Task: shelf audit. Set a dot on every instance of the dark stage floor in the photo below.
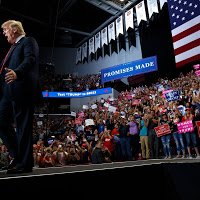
(156, 179)
(93, 167)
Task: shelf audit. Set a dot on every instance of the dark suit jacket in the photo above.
(97, 156)
(23, 59)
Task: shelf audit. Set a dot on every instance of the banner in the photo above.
(84, 50)
(129, 69)
(77, 94)
(162, 130)
(119, 26)
(91, 45)
(104, 36)
(185, 126)
(162, 2)
(111, 31)
(78, 55)
(172, 96)
(140, 12)
(152, 7)
(97, 41)
(129, 19)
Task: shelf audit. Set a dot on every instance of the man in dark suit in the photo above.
(19, 73)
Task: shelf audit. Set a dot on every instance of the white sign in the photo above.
(106, 104)
(85, 107)
(73, 114)
(119, 25)
(112, 109)
(129, 19)
(94, 106)
(152, 7)
(89, 122)
(111, 31)
(84, 50)
(140, 12)
(97, 41)
(39, 123)
(91, 45)
(104, 36)
(78, 55)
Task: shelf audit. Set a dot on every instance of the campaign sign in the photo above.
(129, 69)
(162, 130)
(197, 73)
(77, 94)
(197, 66)
(198, 127)
(136, 102)
(166, 91)
(172, 96)
(185, 126)
(78, 121)
(129, 96)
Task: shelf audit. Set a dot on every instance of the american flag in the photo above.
(185, 29)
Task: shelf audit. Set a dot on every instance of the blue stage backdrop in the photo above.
(129, 69)
(77, 94)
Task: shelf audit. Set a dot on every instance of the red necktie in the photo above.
(6, 57)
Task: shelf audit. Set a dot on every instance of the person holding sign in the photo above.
(166, 138)
(190, 134)
(178, 137)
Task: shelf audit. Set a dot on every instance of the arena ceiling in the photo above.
(62, 23)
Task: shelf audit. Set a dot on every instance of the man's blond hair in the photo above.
(14, 25)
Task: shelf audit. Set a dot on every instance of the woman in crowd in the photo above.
(134, 137)
(178, 137)
(190, 135)
(144, 138)
(166, 139)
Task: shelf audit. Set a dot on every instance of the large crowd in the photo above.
(121, 128)
(70, 83)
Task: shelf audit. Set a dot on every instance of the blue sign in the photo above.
(172, 96)
(167, 87)
(77, 94)
(129, 69)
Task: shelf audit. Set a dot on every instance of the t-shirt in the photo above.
(166, 122)
(143, 130)
(152, 125)
(185, 118)
(123, 131)
(115, 135)
(100, 128)
(175, 122)
(108, 143)
(133, 130)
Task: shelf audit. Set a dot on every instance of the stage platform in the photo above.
(158, 179)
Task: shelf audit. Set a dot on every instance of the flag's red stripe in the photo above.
(186, 61)
(187, 32)
(187, 47)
